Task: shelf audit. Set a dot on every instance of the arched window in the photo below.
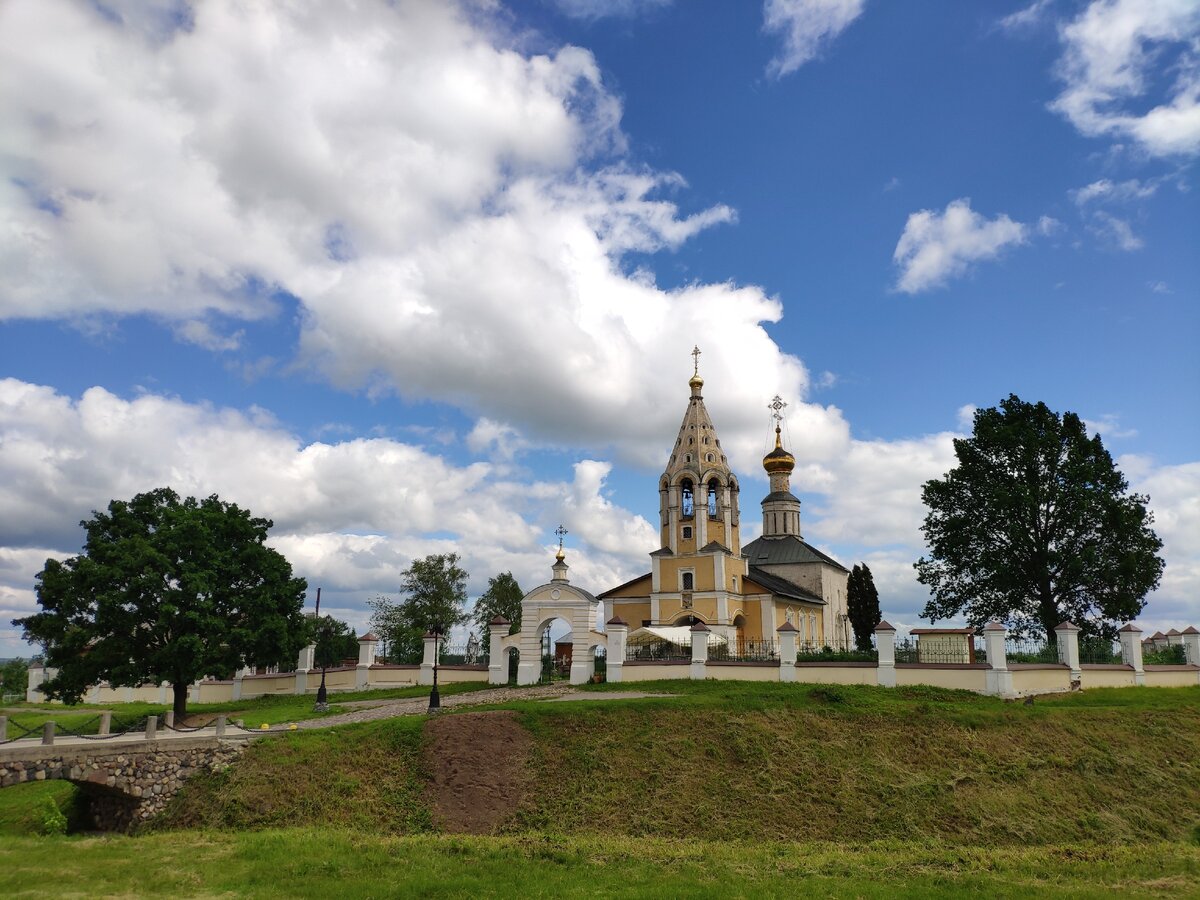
(688, 580)
(713, 487)
(688, 498)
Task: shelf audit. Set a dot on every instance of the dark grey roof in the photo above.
(712, 546)
(782, 587)
(785, 549)
(663, 551)
(780, 495)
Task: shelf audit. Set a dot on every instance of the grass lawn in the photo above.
(324, 863)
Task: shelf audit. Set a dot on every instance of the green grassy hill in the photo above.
(724, 790)
(775, 762)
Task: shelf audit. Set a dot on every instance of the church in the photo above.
(703, 574)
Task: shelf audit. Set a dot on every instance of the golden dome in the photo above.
(778, 460)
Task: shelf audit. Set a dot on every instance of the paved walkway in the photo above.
(364, 711)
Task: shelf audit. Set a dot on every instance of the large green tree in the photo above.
(434, 590)
(502, 598)
(333, 640)
(1034, 526)
(14, 678)
(166, 590)
(862, 605)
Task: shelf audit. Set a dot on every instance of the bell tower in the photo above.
(698, 494)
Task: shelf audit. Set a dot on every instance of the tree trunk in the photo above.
(179, 690)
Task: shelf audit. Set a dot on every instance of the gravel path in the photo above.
(386, 709)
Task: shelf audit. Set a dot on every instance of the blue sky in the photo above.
(424, 276)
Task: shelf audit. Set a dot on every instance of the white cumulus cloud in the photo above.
(936, 247)
(1111, 51)
(806, 26)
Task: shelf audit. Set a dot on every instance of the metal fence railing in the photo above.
(745, 651)
(1098, 651)
(657, 651)
(464, 655)
(813, 651)
(1174, 655)
(941, 652)
(1030, 650)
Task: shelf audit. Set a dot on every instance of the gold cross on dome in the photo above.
(560, 531)
(778, 406)
(696, 359)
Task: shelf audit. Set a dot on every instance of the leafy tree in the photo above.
(166, 590)
(502, 598)
(1035, 526)
(435, 589)
(334, 640)
(862, 605)
(14, 677)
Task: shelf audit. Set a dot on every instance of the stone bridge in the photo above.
(121, 784)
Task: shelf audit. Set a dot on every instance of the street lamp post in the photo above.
(435, 701)
(322, 694)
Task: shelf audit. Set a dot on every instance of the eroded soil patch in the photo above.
(478, 765)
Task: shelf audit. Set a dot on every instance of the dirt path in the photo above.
(478, 769)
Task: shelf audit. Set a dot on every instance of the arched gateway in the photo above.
(558, 599)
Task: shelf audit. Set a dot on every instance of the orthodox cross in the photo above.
(560, 531)
(778, 406)
(696, 360)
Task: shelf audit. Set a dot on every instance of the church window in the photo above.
(687, 532)
(708, 457)
(733, 581)
(691, 441)
(687, 495)
(713, 487)
(688, 581)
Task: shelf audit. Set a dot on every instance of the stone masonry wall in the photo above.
(124, 786)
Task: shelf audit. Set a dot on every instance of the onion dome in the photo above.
(778, 460)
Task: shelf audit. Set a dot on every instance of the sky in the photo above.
(424, 276)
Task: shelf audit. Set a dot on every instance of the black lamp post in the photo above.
(435, 701)
(322, 694)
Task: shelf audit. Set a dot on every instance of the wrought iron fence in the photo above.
(1098, 651)
(464, 655)
(657, 650)
(744, 651)
(813, 651)
(1030, 650)
(1173, 655)
(913, 650)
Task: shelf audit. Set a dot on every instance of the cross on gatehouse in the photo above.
(696, 360)
(560, 531)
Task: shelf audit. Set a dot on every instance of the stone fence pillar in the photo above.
(105, 722)
(497, 657)
(885, 646)
(1131, 651)
(34, 678)
(699, 651)
(1067, 635)
(1191, 645)
(304, 665)
(787, 651)
(427, 659)
(368, 648)
(999, 678)
(3, 729)
(618, 635)
(48, 733)
(151, 727)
